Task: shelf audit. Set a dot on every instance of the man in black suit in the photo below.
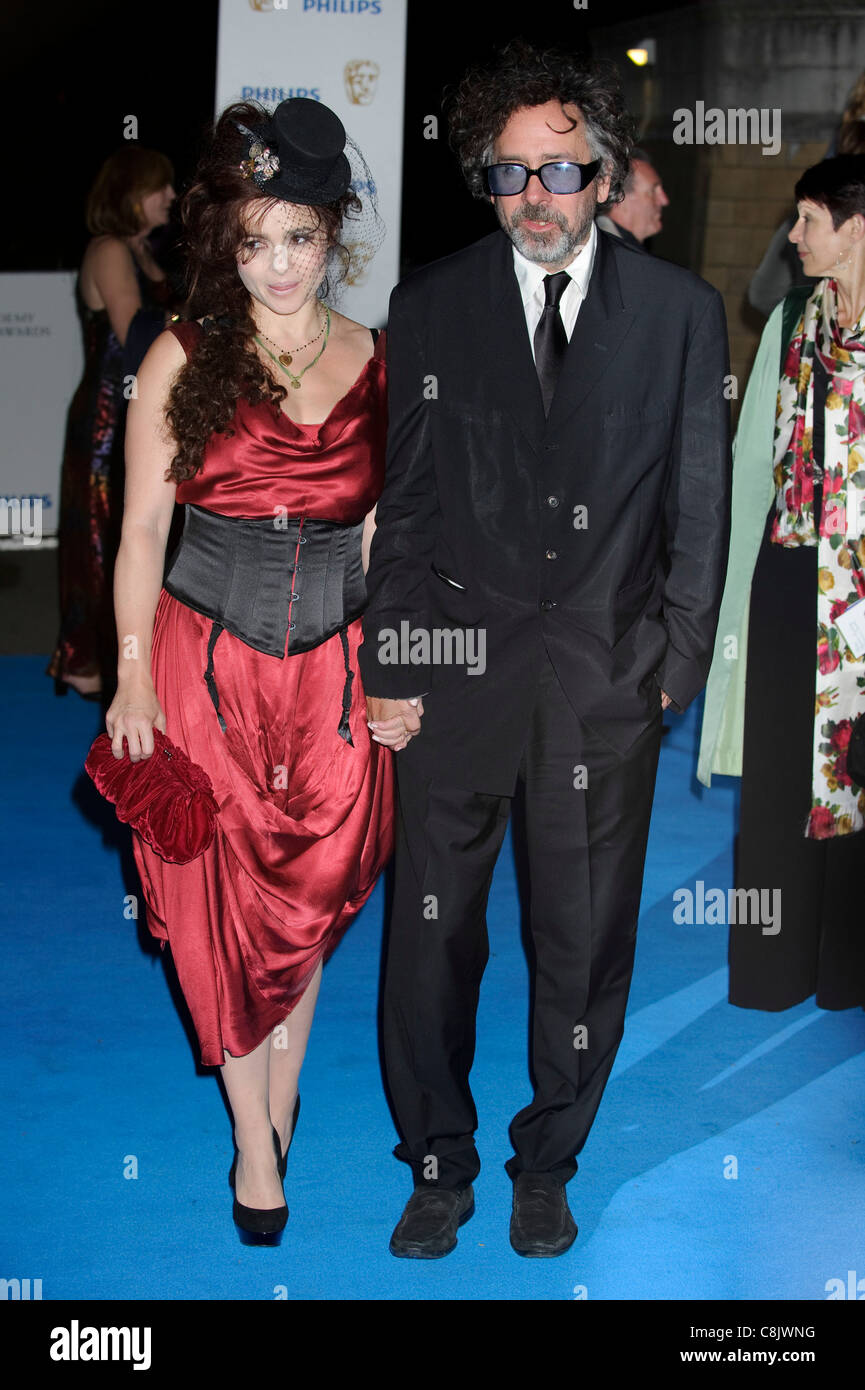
(544, 579)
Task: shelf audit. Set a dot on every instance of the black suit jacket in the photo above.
(598, 535)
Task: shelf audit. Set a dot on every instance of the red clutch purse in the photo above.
(167, 798)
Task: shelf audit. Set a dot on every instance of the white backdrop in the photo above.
(347, 53)
(350, 54)
(40, 366)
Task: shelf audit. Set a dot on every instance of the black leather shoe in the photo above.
(541, 1221)
(428, 1227)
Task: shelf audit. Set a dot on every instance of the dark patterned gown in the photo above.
(91, 499)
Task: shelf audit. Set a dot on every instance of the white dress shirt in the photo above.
(530, 278)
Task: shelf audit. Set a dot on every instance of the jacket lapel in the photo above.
(602, 323)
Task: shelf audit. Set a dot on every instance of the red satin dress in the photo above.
(306, 820)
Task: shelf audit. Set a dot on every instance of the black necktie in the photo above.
(551, 340)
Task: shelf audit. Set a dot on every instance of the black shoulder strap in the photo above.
(375, 333)
(794, 303)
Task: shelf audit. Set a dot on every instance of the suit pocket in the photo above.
(451, 601)
(632, 595)
(630, 607)
(448, 579)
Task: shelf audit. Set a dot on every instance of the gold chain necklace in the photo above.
(295, 380)
(285, 354)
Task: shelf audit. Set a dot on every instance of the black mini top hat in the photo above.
(299, 155)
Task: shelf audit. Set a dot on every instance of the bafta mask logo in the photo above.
(261, 6)
(359, 262)
(361, 79)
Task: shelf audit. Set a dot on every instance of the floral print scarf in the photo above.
(837, 803)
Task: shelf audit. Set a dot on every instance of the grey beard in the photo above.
(546, 250)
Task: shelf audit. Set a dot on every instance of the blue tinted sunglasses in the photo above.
(559, 176)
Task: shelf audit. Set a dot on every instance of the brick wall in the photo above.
(800, 57)
(747, 196)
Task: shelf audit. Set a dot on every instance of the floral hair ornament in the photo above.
(261, 164)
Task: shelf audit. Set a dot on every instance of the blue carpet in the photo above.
(100, 1080)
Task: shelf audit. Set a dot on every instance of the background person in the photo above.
(781, 268)
(119, 279)
(780, 702)
(639, 215)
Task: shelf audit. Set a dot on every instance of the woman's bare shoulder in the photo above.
(163, 358)
(108, 250)
(347, 328)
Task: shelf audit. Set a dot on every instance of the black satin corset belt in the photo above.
(271, 579)
(268, 579)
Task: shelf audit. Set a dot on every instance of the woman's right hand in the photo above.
(133, 715)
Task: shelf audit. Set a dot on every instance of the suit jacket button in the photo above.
(552, 501)
(552, 555)
(547, 604)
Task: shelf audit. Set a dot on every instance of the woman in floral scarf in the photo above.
(785, 688)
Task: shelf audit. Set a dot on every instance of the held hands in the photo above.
(133, 715)
(394, 722)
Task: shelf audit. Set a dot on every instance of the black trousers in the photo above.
(820, 948)
(586, 836)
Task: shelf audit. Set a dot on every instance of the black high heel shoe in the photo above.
(282, 1158)
(259, 1225)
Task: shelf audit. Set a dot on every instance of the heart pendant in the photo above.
(286, 359)
(295, 381)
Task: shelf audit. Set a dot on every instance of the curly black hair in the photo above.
(520, 75)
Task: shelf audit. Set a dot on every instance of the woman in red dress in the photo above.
(267, 418)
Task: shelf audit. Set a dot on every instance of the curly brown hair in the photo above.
(520, 75)
(217, 211)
